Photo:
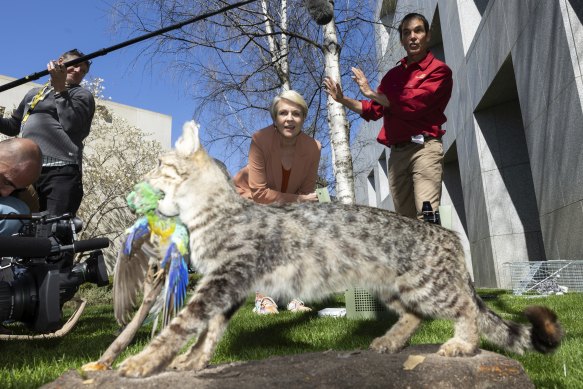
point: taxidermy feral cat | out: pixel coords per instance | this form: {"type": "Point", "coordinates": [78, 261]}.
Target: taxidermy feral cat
{"type": "Point", "coordinates": [311, 250]}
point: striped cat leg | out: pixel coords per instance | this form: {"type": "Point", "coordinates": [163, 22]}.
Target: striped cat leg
{"type": "Point", "coordinates": [200, 353]}
{"type": "Point", "coordinates": [466, 339]}
{"type": "Point", "coordinates": [162, 349]}
{"type": "Point", "coordinates": [398, 335]}
{"type": "Point", "coordinates": [214, 296]}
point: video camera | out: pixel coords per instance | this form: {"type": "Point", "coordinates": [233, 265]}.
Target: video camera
{"type": "Point", "coordinates": [39, 272]}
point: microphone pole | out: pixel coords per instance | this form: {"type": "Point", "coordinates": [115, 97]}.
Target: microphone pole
{"type": "Point", "coordinates": [99, 53]}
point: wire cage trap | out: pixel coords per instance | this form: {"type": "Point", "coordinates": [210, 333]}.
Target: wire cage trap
{"type": "Point", "coordinates": [546, 277]}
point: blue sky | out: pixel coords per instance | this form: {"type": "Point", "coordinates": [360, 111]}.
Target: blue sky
{"type": "Point", "coordinates": [37, 30]}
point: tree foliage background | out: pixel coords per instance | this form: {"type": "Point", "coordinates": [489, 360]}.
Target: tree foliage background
{"type": "Point", "coordinates": [116, 157]}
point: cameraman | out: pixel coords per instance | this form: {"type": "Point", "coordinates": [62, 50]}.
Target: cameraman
{"type": "Point", "coordinates": [57, 116]}
{"type": "Point", "coordinates": [20, 166]}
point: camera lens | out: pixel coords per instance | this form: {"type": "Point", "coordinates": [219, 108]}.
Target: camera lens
{"type": "Point", "coordinates": [96, 269]}
{"type": "Point", "coordinates": [92, 270]}
{"type": "Point", "coordinates": [5, 301]}
{"type": "Point", "coordinates": [18, 298]}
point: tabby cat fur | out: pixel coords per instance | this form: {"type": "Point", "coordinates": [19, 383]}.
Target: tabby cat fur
{"type": "Point", "coordinates": [311, 250]}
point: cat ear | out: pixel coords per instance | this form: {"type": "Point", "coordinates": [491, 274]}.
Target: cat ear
{"type": "Point", "coordinates": [189, 142]}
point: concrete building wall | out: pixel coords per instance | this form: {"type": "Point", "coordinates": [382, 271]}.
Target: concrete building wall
{"type": "Point", "coordinates": [513, 169]}
{"type": "Point", "coordinates": [158, 126]}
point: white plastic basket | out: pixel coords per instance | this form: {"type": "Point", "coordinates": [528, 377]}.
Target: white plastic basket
{"type": "Point", "coordinates": [546, 277]}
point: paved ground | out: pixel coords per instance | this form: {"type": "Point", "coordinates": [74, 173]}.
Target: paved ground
{"type": "Point", "coordinates": [414, 367]}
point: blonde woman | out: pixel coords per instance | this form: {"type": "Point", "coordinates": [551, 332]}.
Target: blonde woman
{"type": "Point", "coordinates": [282, 168]}
{"type": "Point", "coordinates": [283, 161]}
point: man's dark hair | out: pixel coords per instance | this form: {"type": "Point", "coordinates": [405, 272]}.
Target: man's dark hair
{"type": "Point", "coordinates": [78, 54]}
{"type": "Point", "coordinates": [413, 15]}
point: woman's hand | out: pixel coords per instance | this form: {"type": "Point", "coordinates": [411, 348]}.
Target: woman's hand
{"type": "Point", "coordinates": [304, 198]}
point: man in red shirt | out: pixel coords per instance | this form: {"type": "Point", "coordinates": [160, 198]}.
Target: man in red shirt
{"type": "Point", "coordinates": [411, 100]}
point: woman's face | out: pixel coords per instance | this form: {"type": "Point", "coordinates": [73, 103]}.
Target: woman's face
{"type": "Point", "coordinates": [289, 118]}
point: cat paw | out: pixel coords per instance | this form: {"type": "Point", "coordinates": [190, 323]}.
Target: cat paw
{"type": "Point", "coordinates": [383, 345]}
{"type": "Point", "coordinates": [139, 366]}
{"type": "Point", "coordinates": [457, 348]}
{"type": "Point", "coordinates": [95, 366]}
{"type": "Point", "coordinates": [186, 363]}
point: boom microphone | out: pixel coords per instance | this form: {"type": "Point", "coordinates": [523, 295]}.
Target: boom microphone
{"type": "Point", "coordinates": [322, 11]}
{"type": "Point", "coordinates": [19, 246]}
{"type": "Point", "coordinates": [98, 53]}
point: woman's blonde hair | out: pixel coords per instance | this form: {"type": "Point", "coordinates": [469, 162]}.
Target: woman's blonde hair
{"type": "Point", "coordinates": [290, 95]}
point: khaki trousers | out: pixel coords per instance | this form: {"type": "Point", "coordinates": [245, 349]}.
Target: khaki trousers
{"type": "Point", "coordinates": [415, 175]}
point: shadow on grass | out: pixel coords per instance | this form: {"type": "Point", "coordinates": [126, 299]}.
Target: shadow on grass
{"type": "Point", "coordinates": [273, 335]}
{"type": "Point", "coordinates": [495, 300]}
{"type": "Point", "coordinates": [252, 336]}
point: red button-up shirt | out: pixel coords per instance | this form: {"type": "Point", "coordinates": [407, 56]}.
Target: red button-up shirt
{"type": "Point", "coordinates": [418, 94]}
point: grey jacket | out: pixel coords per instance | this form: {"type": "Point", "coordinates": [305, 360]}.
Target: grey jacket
{"type": "Point", "coordinates": [58, 124]}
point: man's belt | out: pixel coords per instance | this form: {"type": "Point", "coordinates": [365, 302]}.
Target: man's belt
{"type": "Point", "coordinates": [55, 162]}
{"type": "Point", "coordinates": [400, 145]}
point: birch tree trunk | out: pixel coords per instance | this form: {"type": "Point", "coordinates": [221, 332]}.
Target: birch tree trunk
{"type": "Point", "coordinates": [279, 53]}
{"type": "Point", "coordinates": [338, 122]}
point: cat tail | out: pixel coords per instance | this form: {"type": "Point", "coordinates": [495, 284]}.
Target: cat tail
{"type": "Point", "coordinates": [543, 334]}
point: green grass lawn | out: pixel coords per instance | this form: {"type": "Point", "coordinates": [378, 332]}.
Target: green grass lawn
{"type": "Point", "coordinates": [29, 364]}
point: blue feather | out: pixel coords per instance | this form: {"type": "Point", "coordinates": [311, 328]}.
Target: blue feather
{"type": "Point", "coordinates": [136, 231]}
{"type": "Point", "coordinates": [176, 281]}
